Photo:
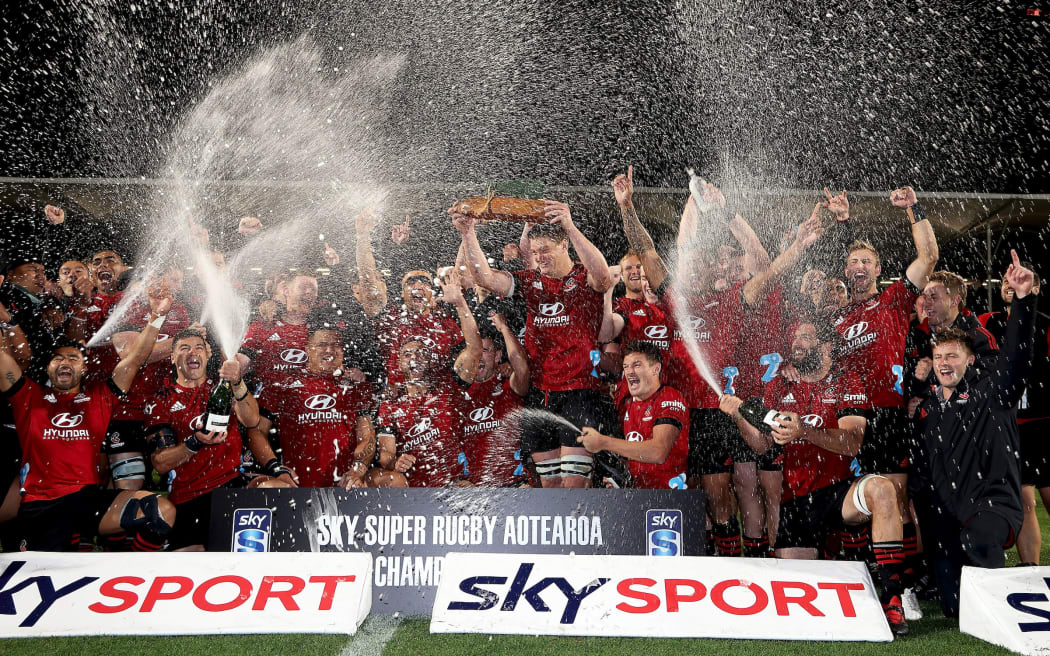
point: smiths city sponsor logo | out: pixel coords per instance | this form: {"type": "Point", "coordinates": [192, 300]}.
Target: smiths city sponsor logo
{"type": "Point", "coordinates": [855, 398]}
{"type": "Point", "coordinates": [65, 427]}
{"type": "Point", "coordinates": [81, 398]}
{"type": "Point", "coordinates": [319, 408]}
{"type": "Point", "coordinates": [674, 405]}
{"type": "Point", "coordinates": [251, 530]}
{"type": "Point", "coordinates": [520, 589]}
{"type": "Point", "coordinates": [663, 532]}
{"type": "Point", "coordinates": [857, 336]}
{"type": "Point", "coordinates": [550, 314]}
{"type": "Point", "coordinates": [421, 433]}
{"type": "Point", "coordinates": [482, 419]}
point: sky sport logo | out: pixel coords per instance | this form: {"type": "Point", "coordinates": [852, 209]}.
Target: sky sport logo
{"type": "Point", "coordinates": [663, 532]}
{"type": "Point", "coordinates": [251, 530]}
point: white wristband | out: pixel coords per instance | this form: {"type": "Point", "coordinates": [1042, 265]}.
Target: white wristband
{"type": "Point", "coordinates": [159, 321]}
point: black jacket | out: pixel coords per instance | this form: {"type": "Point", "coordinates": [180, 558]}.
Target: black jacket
{"type": "Point", "coordinates": [919, 344]}
{"type": "Point", "coordinates": [1035, 403]}
{"type": "Point", "coordinates": [964, 456]}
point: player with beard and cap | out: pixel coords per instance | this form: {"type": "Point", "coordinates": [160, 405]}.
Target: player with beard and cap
{"type": "Point", "coordinates": [420, 423]}
{"type": "Point", "coordinates": [1033, 419]}
{"type": "Point", "coordinates": [323, 417]}
{"type": "Point", "coordinates": [491, 448]}
{"type": "Point", "coordinates": [60, 431]}
{"type": "Point", "coordinates": [826, 412]}
{"type": "Point", "coordinates": [965, 478]}
{"type": "Point", "coordinates": [714, 319]}
{"type": "Point", "coordinates": [655, 424]}
{"type": "Point", "coordinates": [563, 301]}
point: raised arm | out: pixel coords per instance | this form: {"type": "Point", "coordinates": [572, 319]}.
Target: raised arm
{"type": "Point", "coordinates": [758, 441]}
{"type": "Point", "coordinates": [466, 364]}
{"type": "Point", "coordinates": [135, 356]}
{"type": "Point", "coordinates": [844, 440]}
{"type": "Point", "coordinates": [244, 404]}
{"type": "Point", "coordinates": [500, 283]}
{"type": "Point", "coordinates": [926, 251]}
{"type": "Point", "coordinates": [755, 255]}
{"type": "Point", "coordinates": [1015, 358]}
{"type": "Point", "coordinates": [654, 451]}
{"type": "Point", "coordinates": [14, 340]}
{"type": "Point", "coordinates": [374, 297]}
{"type": "Point", "coordinates": [525, 247]}
{"type": "Point", "coordinates": [519, 362]}
{"type": "Point", "coordinates": [638, 237]}
{"type": "Point", "coordinates": [597, 269]}
{"type": "Point", "coordinates": [10, 371]}
{"type": "Point", "coordinates": [363, 454]}
{"type": "Point", "coordinates": [808, 233]}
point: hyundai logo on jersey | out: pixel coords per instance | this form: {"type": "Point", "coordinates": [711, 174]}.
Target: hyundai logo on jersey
{"type": "Point", "coordinates": [663, 532]}
{"type": "Point", "coordinates": [251, 530]}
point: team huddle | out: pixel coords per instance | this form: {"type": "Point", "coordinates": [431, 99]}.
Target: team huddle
{"type": "Point", "coordinates": [826, 417]}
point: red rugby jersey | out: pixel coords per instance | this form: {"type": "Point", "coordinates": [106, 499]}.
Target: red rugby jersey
{"type": "Point", "coordinates": [761, 349]}
{"type": "Point", "coordinates": [873, 341]}
{"type": "Point", "coordinates": [277, 349]}
{"type": "Point", "coordinates": [61, 435]}
{"type": "Point", "coordinates": [666, 406]}
{"type": "Point", "coordinates": [820, 404]}
{"type": "Point", "coordinates": [430, 428]}
{"type": "Point", "coordinates": [98, 312]}
{"type": "Point", "coordinates": [317, 421]}
{"type": "Point", "coordinates": [562, 323]}
{"type": "Point", "coordinates": [714, 320]}
{"type": "Point", "coordinates": [440, 333]}
{"type": "Point", "coordinates": [491, 446]}
{"type": "Point", "coordinates": [183, 409]}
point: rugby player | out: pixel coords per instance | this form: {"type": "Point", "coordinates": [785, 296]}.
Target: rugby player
{"type": "Point", "coordinates": [825, 415]}
{"type": "Point", "coordinates": [60, 431]}
{"type": "Point", "coordinates": [271, 350]}
{"type": "Point", "coordinates": [563, 301]}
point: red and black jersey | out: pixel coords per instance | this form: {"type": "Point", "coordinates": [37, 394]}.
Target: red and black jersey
{"type": "Point", "coordinates": [98, 312]}
{"type": "Point", "coordinates": [276, 350]}
{"type": "Point", "coordinates": [647, 323]}
{"type": "Point", "coordinates": [561, 328]}
{"type": "Point", "coordinates": [761, 349]}
{"type": "Point", "coordinates": [317, 420]}
{"type": "Point", "coordinates": [492, 448]}
{"type": "Point", "coordinates": [666, 406]}
{"type": "Point", "coordinates": [61, 435]}
{"type": "Point", "coordinates": [440, 333]}
{"type": "Point", "coordinates": [183, 409]}
{"type": "Point", "coordinates": [429, 427]}
{"type": "Point", "coordinates": [714, 321]}
{"type": "Point", "coordinates": [820, 404]}
{"type": "Point", "coordinates": [873, 341]}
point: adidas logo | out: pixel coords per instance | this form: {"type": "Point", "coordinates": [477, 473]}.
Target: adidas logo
{"type": "Point", "coordinates": [295, 384]}
{"type": "Point", "coordinates": [51, 398]}
{"type": "Point", "coordinates": [639, 313]}
{"type": "Point", "coordinates": [274, 338]}
{"type": "Point", "coordinates": [790, 398]}
{"type": "Point", "coordinates": [92, 308]}
{"type": "Point", "coordinates": [178, 406]}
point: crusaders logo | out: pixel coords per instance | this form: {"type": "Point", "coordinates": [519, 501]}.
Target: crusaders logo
{"type": "Point", "coordinates": [66, 420]}
{"type": "Point", "coordinates": [320, 402]}
{"type": "Point", "coordinates": [294, 356]}
{"type": "Point", "coordinates": [551, 309]}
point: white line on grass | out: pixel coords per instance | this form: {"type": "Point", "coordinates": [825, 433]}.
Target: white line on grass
{"type": "Point", "coordinates": [372, 636]}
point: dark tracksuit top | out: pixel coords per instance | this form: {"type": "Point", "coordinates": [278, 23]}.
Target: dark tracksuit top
{"type": "Point", "coordinates": [964, 455]}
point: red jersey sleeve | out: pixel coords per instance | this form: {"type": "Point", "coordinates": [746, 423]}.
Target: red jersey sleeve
{"type": "Point", "coordinates": [253, 339]}
{"type": "Point", "coordinates": [24, 395]}
{"type": "Point", "coordinates": [901, 295]}
{"type": "Point", "coordinates": [157, 413]}
{"type": "Point", "coordinates": [384, 421]}
{"type": "Point", "coordinates": [854, 395]}
{"type": "Point", "coordinates": [671, 410]}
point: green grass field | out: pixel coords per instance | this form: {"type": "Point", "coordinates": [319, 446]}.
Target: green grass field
{"type": "Point", "coordinates": [932, 636]}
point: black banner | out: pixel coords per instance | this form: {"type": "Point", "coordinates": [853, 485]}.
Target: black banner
{"type": "Point", "coordinates": [408, 531]}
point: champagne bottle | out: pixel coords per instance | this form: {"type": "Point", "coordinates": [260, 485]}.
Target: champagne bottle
{"type": "Point", "coordinates": [696, 189]}
{"type": "Point", "coordinates": [219, 404]}
{"type": "Point", "coordinates": [760, 416]}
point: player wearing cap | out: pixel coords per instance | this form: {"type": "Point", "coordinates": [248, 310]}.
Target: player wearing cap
{"type": "Point", "coordinates": [563, 301]}
{"type": "Point", "coordinates": [60, 431]}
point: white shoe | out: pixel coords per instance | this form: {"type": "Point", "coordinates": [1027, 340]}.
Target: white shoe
{"type": "Point", "coordinates": [910, 602]}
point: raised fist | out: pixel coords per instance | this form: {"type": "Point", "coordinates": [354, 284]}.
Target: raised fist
{"type": "Point", "coordinates": [249, 225]}
{"type": "Point", "coordinates": [54, 214]}
{"type": "Point", "coordinates": [903, 197]}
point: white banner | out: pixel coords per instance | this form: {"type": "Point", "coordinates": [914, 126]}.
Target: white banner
{"type": "Point", "coordinates": [686, 597]}
{"type": "Point", "coordinates": [1007, 607]}
{"type": "Point", "coordinates": [62, 594]}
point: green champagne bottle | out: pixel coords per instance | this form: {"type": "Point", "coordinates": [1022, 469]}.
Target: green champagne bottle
{"type": "Point", "coordinates": [219, 405]}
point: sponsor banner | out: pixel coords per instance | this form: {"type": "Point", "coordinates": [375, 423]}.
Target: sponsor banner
{"type": "Point", "coordinates": [1007, 607]}
{"type": "Point", "coordinates": [67, 594]}
{"type": "Point", "coordinates": [409, 531]}
{"type": "Point", "coordinates": [660, 597]}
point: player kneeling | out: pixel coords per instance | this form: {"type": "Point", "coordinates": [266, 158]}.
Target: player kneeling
{"type": "Point", "coordinates": [820, 434]}
{"type": "Point", "coordinates": [653, 421]}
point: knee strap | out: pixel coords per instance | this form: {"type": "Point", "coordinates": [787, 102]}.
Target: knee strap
{"type": "Point", "coordinates": [549, 468]}
{"type": "Point", "coordinates": [129, 469]}
{"type": "Point", "coordinates": [577, 466]}
{"type": "Point", "coordinates": [858, 494]}
{"type": "Point", "coordinates": [151, 517]}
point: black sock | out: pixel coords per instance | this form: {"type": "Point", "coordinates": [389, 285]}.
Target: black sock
{"type": "Point", "coordinates": [856, 544]}
{"type": "Point", "coordinates": [756, 547]}
{"type": "Point", "coordinates": [889, 558]}
{"type": "Point", "coordinates": [727, 537]}
{"type": "Point", "coordinates": [912, 556]}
